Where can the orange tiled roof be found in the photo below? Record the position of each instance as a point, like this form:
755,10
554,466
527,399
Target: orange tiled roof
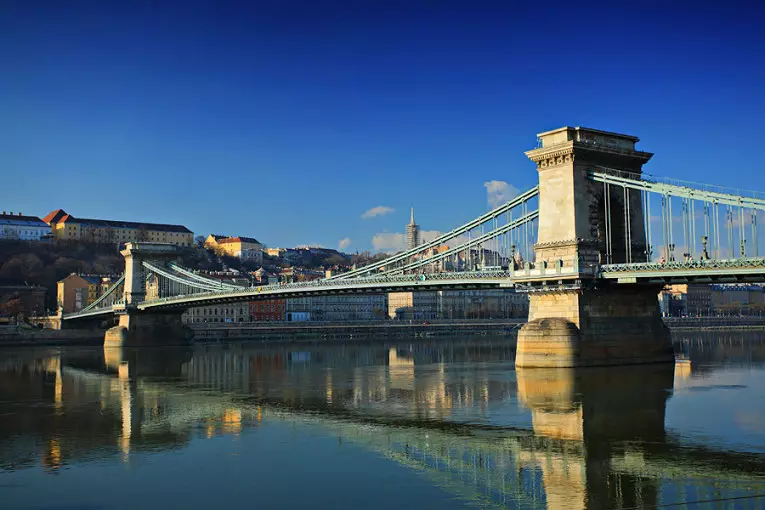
55,216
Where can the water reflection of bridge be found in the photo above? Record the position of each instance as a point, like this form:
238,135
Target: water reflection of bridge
595,438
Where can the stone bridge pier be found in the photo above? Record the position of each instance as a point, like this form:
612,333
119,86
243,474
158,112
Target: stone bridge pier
584,321
138,327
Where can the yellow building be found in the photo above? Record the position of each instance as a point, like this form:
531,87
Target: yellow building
245,248
66,227
77,291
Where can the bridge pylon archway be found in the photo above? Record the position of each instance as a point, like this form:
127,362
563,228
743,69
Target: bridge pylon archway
580,320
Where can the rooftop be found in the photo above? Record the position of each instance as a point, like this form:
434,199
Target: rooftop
588,136
19,219
60,216
590,130
239,239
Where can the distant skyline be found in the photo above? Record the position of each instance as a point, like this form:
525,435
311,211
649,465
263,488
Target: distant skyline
323,122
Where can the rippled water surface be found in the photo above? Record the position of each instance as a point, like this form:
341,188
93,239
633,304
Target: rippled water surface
411,424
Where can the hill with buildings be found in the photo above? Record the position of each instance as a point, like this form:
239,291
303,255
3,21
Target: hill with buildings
34,267
43,264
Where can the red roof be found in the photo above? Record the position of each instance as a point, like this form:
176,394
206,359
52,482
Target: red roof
55,216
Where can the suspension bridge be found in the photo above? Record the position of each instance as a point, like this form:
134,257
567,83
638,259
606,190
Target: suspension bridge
592,244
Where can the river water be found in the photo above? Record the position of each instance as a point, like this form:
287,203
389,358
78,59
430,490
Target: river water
434,423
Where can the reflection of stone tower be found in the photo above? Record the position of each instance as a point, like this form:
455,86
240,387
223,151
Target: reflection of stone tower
412,233
580,418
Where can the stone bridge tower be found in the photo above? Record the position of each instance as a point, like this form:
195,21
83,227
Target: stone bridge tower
584,321
136,326
135,275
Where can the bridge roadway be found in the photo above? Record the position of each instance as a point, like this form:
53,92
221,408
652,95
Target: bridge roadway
496,465
746,270
369,285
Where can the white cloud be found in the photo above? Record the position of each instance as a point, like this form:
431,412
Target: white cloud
499,192
380,210
389,242
344,243
429,235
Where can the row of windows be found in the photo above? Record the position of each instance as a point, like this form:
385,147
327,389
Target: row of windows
268,307
214,311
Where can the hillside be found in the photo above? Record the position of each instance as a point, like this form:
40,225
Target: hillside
44,264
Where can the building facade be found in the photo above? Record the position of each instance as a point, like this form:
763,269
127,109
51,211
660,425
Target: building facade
66,227
458,304
337,308
482,304
703,300
77,291
23,228
268,310
413,305
245,248
682,300
738,299
227,313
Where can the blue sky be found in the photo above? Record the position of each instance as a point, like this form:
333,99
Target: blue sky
287,120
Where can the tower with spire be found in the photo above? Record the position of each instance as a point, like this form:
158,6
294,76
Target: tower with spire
412,233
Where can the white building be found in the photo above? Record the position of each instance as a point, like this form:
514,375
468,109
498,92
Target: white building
24,228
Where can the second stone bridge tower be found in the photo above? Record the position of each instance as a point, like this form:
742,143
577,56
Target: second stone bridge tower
583,224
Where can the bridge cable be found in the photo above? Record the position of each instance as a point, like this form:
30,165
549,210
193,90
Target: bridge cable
693,226
718,249
209,281
478,241
466,228
729,215
742,232
626,224
671,229
607,216
106,294
684,211
754,233
667,505
170,276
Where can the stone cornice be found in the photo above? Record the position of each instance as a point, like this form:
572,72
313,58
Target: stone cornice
567,242
559,154
552,156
